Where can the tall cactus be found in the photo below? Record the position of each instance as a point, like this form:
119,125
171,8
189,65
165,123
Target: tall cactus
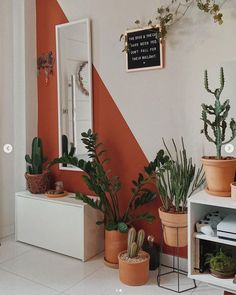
220,113
37,159
134,246
65,148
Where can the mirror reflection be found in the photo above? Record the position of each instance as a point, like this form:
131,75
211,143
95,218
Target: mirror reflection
74,86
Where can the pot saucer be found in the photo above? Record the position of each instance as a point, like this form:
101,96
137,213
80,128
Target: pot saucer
111,265
218,194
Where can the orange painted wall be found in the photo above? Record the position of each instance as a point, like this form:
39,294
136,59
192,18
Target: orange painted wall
127,158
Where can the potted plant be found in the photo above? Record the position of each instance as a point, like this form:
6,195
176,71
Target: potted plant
37,178
222,265
133,262
106,188
176,179
220,171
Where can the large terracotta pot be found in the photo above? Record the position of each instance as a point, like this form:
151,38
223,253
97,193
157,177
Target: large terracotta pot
38,183
134,273
219,175
115,242
175,228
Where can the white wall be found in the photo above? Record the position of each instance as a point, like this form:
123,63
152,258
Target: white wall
162,103
18,99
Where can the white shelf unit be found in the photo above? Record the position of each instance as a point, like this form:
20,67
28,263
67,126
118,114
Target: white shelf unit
64,225
198,206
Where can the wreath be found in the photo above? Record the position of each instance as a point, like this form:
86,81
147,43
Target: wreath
80,79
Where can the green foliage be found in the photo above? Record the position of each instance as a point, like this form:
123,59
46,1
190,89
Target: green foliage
135,245
174,11
65,145
107,187
219,112
176,177
36,161
221,261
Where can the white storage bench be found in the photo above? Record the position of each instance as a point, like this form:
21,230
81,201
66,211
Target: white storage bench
64,225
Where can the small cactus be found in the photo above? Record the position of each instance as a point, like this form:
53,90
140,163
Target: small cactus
35,162
135,245
220,113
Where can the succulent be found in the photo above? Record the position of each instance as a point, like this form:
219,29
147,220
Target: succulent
36,161
135,245
219,111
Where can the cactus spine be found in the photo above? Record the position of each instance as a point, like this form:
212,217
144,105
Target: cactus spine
134,246
220,112
37,159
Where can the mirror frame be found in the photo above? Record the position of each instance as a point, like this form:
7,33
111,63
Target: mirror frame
59,100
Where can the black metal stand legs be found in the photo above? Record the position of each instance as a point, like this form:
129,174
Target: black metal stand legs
175,268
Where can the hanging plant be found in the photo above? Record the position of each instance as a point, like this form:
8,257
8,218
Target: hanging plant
170,14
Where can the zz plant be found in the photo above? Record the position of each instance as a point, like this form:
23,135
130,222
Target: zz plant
177,178
107,187
219,113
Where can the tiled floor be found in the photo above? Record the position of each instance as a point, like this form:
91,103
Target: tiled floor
27,270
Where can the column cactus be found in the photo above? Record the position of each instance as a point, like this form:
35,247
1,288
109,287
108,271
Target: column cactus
37,159
220,113
135,245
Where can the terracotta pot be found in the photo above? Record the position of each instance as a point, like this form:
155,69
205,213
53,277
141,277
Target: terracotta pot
175,228
233,191
134,273
115,242
38,183
219,175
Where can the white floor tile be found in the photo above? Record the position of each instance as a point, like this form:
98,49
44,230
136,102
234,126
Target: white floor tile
171,280
204,289
50,269
27,270
106,281
11,284
11,249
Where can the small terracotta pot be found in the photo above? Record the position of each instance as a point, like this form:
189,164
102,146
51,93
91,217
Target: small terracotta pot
233,191
38,183
175,228
219,175
134,273
115,242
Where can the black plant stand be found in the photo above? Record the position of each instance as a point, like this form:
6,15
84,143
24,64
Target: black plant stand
175,268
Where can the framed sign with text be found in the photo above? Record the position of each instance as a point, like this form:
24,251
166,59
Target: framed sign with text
144,49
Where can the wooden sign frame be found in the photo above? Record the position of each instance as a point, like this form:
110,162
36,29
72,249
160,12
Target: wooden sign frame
146,48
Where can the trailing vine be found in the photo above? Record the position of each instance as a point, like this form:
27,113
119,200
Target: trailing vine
172,13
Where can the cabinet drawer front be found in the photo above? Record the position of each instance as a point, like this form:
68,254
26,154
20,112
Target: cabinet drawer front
50,225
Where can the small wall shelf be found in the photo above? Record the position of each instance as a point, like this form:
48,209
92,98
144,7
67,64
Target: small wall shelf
64,225
198,206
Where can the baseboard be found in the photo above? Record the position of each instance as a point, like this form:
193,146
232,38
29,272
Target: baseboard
168,260
7,230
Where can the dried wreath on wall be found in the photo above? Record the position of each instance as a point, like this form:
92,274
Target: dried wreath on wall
82,77
168,15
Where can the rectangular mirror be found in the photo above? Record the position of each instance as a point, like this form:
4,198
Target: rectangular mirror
74,83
